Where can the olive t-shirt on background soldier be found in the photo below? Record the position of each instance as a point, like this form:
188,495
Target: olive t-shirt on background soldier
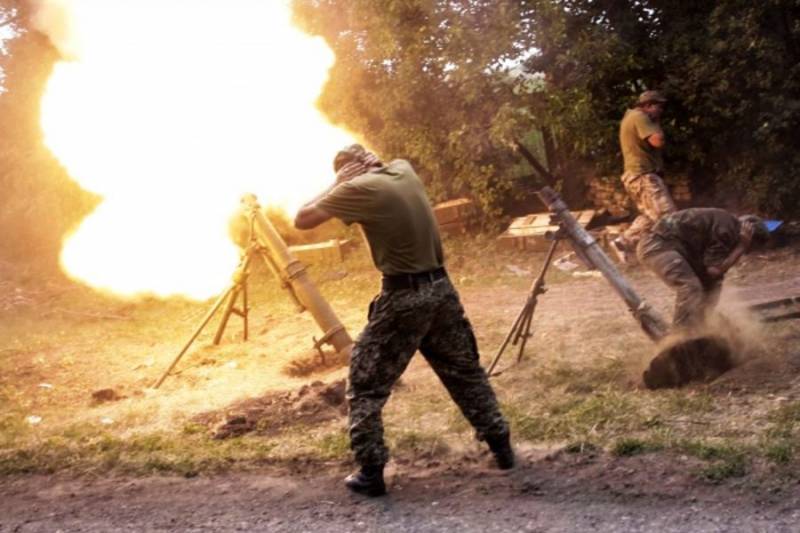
639,156
391,205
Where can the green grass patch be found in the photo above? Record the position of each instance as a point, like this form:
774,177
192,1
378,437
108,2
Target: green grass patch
725,460
719,471
81,451
334,445
582,379
780,453
681,402
581,447
574,418
628,447
416,444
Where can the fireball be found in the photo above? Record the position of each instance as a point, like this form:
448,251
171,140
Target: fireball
170,110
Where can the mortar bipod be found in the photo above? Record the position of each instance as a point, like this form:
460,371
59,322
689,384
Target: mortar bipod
521,330
230,295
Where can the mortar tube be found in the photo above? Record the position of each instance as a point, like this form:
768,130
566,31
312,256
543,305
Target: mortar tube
651,322
300,282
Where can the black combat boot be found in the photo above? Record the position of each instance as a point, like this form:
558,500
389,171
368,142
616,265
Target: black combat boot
367,481
501,448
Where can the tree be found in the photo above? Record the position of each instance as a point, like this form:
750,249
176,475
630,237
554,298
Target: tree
730,69
457,84
426,80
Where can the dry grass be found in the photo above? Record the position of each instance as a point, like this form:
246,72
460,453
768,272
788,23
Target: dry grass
578,381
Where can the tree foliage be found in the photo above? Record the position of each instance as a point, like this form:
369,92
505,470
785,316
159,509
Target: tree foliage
457,86
454,84
424,80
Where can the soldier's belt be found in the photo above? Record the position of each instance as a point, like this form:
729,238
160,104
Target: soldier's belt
412,281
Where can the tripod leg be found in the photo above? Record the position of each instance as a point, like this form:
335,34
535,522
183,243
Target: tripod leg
525,319
510,334
526,331
234,295
240,280
203,324
522,325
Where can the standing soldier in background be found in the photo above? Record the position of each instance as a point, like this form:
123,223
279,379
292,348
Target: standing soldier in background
418,308
642,141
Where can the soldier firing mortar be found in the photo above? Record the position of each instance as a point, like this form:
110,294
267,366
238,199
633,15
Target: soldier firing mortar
690,251
418,308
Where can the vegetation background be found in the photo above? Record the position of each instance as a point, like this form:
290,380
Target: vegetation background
493,98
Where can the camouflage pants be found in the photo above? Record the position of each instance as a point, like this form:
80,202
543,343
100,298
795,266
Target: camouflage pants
695,293
653,201
432,320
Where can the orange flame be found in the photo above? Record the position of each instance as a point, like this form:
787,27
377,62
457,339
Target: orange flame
171,110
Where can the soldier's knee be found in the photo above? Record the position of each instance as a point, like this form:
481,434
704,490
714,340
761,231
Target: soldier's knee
690,287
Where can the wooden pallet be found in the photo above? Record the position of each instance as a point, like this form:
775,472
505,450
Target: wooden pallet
529,232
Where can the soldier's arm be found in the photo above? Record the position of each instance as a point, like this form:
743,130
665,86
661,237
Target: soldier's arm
347,201
745,238
656,140
649,131
310,216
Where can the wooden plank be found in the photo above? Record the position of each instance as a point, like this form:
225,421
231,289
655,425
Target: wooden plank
528,232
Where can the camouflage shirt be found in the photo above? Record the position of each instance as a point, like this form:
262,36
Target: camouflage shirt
705,236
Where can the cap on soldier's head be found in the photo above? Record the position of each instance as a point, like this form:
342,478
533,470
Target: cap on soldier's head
347,154
651,97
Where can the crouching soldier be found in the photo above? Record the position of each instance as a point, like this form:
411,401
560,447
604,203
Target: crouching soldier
417,308
691,250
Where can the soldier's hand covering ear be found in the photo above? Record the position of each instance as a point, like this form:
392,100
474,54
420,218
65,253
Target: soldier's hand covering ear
360,165
746,233
350,171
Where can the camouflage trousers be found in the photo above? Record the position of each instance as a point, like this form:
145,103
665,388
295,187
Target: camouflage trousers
432,320
653,201
695,292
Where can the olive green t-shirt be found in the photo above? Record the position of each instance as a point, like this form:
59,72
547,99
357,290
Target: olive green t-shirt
640,156
391,206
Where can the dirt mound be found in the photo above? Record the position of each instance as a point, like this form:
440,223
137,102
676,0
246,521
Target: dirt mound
274,411
698,359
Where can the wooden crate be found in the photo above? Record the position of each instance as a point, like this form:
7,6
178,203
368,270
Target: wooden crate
529,232
459,227
318,253
460,210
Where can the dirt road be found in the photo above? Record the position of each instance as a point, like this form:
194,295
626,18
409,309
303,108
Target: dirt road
546,492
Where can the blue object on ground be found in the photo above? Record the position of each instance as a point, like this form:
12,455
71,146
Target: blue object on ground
772,225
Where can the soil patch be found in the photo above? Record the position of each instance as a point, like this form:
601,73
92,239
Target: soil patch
698,359
274,411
